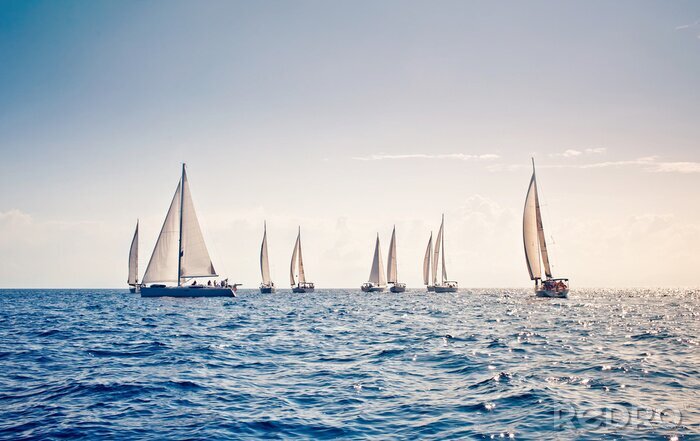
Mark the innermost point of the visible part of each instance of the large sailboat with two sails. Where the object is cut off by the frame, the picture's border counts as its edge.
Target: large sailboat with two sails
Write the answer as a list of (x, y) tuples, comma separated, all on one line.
[(377, 277), (392, 267), (445, 285), (133, 278), (267, 286), (426, 265), (536, 255), (297, 277), (180, 254)]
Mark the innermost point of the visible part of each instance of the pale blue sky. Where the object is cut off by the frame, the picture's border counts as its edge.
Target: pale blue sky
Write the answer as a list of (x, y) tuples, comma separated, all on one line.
[(276, 107)]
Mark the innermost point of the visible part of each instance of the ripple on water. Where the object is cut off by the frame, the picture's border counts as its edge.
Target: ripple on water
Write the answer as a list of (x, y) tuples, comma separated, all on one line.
[(490, 364)]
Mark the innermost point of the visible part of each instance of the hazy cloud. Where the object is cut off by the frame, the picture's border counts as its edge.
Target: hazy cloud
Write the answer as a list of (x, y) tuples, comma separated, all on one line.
[(646, 163), (457, 156), (572, 153), (689, 25)]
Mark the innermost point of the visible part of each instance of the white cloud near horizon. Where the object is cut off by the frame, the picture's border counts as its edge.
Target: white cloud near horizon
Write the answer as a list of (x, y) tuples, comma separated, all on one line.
[(646, 163), (573, 153), (457, 156)]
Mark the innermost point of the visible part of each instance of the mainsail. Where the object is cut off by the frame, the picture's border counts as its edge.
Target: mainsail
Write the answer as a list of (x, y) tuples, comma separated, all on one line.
[(533, 233), (391, 265), (377, 275), (426, 261), (180, 251), (134, 258), (264, 264)]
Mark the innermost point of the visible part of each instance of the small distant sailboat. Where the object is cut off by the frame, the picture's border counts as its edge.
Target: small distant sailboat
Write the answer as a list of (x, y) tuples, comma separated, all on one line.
[(445, 285), (391, 266), (180, 253), (133, 279), (536, 255), (297, 278), (426, 265), (377, 278), (267, 286)]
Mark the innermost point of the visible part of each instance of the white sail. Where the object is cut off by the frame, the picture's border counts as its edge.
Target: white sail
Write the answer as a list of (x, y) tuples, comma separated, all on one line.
[(436, 252), (377, 275), (264, 264), (530, 231), (540, 235), (164, 261), (296, 268), (292, 266), (426, 261), (302, 275), (391, 265), (134, 258), (442, 246), (195, 260)]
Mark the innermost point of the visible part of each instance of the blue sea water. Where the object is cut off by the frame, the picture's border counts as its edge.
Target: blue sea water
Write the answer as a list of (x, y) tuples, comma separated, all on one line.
[(480, 364)]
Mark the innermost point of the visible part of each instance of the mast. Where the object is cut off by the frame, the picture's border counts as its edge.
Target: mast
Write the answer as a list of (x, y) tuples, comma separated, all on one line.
[(182, 200)]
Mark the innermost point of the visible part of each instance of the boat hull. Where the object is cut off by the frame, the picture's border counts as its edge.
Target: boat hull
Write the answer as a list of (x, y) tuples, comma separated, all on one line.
[(398, 288), (549, 293), (133, 289), (186, 291), (430, 288), (446, 289), (267, 289), (299, 290), (372, 288)]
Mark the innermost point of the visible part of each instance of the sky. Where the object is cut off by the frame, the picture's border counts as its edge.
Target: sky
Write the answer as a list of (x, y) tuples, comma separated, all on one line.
[(347, 118)]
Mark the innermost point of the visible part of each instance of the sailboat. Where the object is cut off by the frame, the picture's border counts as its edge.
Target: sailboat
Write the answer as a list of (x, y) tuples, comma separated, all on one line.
[(180, 254), (297, 278), (426, 265), (445, 285), (391, 266), (133, 279), (377, 278), (267, 286), (536, 255)]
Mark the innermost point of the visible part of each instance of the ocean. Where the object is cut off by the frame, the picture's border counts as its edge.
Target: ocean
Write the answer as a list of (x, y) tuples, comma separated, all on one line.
[(479, 364)]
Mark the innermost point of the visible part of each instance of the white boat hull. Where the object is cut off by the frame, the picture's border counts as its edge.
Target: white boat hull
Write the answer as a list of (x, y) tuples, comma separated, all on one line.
[(552, 293), (447, 286), (446, 289), (372, 288), (186, 291)]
